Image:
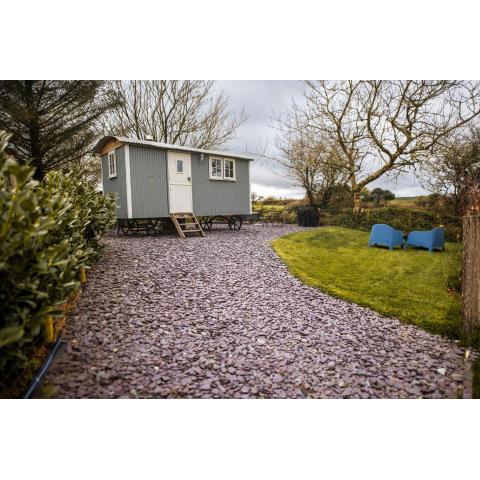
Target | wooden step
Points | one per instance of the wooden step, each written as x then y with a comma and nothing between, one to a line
185,227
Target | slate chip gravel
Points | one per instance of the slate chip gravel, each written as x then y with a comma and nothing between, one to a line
222,317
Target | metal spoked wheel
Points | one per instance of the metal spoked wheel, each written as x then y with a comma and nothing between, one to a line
135,226
130,227
206,223
154,227
126,228
235,223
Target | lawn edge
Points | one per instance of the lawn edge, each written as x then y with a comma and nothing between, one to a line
448,333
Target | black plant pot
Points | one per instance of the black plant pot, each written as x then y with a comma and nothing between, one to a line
308,217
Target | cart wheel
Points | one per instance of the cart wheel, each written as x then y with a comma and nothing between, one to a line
150,227
206,223
235,223
154,227
126,228
135,226
131,227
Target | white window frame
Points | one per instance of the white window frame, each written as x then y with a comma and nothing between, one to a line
210,166
230,179
112,173
222,169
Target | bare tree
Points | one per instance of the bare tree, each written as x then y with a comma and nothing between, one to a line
182,112
311,162
387,126
454,171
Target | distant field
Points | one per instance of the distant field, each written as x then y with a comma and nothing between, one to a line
277,208
402,202
405,202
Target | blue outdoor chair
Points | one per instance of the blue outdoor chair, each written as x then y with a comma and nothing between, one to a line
432,240
383,234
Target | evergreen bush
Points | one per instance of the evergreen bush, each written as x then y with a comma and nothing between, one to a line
48,231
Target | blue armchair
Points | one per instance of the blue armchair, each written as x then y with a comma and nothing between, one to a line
432,240
383,234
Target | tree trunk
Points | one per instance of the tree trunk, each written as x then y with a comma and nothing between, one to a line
357,202
471,276
325,198
310,197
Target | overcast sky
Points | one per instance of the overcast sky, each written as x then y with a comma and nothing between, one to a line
261,99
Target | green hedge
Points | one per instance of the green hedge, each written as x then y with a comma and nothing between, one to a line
47,232
405,219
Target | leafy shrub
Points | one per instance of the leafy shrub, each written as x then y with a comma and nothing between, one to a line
90,216
47,232
335,198
399,218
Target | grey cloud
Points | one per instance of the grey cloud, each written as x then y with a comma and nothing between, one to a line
405,185
261,98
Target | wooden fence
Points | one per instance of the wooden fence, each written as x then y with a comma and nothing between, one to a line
471,276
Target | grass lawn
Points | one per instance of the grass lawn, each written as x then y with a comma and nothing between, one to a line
410,285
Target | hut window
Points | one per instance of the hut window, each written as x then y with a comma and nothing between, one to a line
179,166
216,168
222,169
112,165
229,169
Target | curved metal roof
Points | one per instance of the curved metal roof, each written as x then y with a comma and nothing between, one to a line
148,143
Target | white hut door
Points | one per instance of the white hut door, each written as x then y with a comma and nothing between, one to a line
180,182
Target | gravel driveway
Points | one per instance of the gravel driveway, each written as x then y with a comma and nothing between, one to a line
221,316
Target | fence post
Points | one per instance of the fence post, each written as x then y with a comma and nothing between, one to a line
83,276
471,276
49,331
